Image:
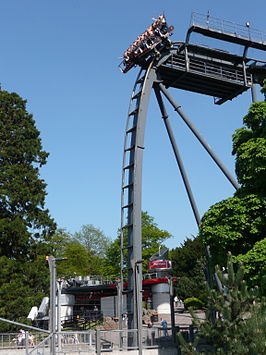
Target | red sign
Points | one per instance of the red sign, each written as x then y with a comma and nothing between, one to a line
160,265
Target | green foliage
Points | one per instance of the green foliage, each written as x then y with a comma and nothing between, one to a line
238,224
186,287
255,265
185,258
81,260
112,260
25,225
249,146
93,246
235,225
193,303
93,239
188,266
239,327
77,263
22,192
152,239
22,286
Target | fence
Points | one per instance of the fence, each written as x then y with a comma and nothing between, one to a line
91,341
17,341
210,68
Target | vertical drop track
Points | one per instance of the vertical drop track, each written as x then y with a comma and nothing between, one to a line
131,194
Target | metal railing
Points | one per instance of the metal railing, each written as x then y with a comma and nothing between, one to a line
213,69
42,348
93,280
15,341
228,27
91,341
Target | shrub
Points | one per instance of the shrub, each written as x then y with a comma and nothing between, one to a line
239,325
193,303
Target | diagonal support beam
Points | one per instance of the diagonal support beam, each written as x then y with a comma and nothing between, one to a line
24,325
198,136
177,154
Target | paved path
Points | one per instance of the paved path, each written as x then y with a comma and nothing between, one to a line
182,318
186,319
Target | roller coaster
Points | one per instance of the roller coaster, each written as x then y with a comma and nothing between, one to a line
187,66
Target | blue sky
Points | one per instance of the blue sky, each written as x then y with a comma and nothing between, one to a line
63,56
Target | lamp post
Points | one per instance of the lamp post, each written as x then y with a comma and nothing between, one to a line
52,313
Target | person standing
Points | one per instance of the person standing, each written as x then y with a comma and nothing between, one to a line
164,326
176,301
21,337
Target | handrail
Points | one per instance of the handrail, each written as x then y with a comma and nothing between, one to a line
40,344
226,26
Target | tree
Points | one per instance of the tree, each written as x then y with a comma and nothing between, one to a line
80,261
152,240
112,260
239,328
235,225
186,257
238,223
62,244
249,147
22,286
97,244
77,262
25,224
93,239
255,265
23,218
188,267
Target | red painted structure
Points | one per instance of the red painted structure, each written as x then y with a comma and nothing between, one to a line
96,292
160,265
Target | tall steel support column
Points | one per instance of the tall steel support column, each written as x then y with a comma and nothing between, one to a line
52,311
253,93
177,154
199,137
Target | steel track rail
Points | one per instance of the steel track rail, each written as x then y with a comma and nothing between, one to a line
131,196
